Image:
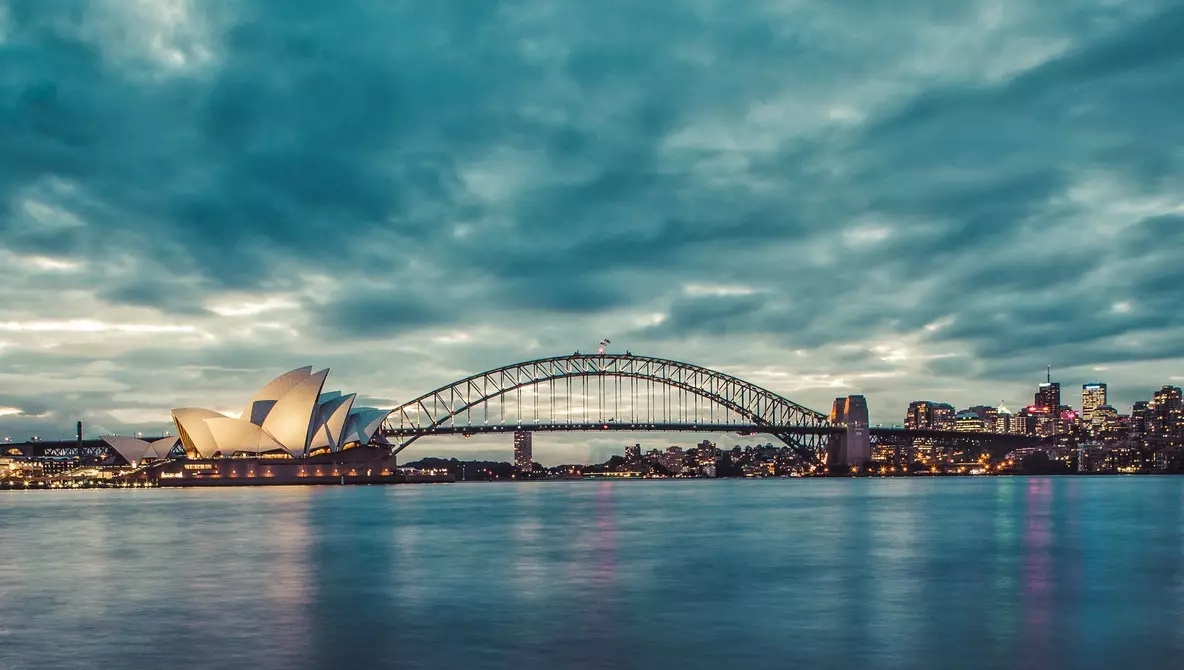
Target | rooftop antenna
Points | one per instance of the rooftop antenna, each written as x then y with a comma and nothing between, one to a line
1049,373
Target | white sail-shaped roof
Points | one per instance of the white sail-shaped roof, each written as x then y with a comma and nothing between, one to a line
331,418
291,420
292,413
194,432
134,450
234,435
265,399
362,424
131,449
161,448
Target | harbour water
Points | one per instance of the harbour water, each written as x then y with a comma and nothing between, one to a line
1075,572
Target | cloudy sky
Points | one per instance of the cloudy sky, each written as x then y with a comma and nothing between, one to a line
925,199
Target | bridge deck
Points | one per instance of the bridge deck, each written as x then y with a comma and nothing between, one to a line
742,428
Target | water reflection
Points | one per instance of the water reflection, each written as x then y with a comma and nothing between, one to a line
928,574
1036,573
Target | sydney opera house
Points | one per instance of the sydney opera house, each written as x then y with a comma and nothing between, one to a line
291,431
291,417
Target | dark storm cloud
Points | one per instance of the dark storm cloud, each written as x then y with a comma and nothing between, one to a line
993,183
379,312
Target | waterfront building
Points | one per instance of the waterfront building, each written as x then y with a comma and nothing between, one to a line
290,417
136,451
706,453
672,460
523,451
1093,396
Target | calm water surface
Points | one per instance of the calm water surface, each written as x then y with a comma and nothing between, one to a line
947,573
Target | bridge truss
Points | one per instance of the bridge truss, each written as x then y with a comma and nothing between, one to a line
606,392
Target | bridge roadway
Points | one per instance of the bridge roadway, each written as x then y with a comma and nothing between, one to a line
740,428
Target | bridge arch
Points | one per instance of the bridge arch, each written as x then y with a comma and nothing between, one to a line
450,407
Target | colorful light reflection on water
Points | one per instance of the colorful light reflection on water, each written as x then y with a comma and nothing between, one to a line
916,573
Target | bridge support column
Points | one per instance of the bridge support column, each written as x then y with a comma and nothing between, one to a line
853,446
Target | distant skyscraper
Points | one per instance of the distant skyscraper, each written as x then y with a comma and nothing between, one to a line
1140,414
523,451
1166,414
633,452
1048,397
929,415
1093,396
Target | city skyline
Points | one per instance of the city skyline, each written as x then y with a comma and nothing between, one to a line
192,203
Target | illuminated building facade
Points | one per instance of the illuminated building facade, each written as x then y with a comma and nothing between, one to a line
1140,415
1048,397
706,453
523,451
929,415
290,417
1107,423
1004,420
968,421
672,459
633,453
1165,420
1025,422
1093,396
989,415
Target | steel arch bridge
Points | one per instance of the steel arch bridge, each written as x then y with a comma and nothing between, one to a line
606,392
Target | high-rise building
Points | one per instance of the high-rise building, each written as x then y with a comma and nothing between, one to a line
1003,420
523,451
1093,396
673,459
1106,423
1140,414
633,453
929,415
1166,415
1048,397
944,416
1026,422
706,452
